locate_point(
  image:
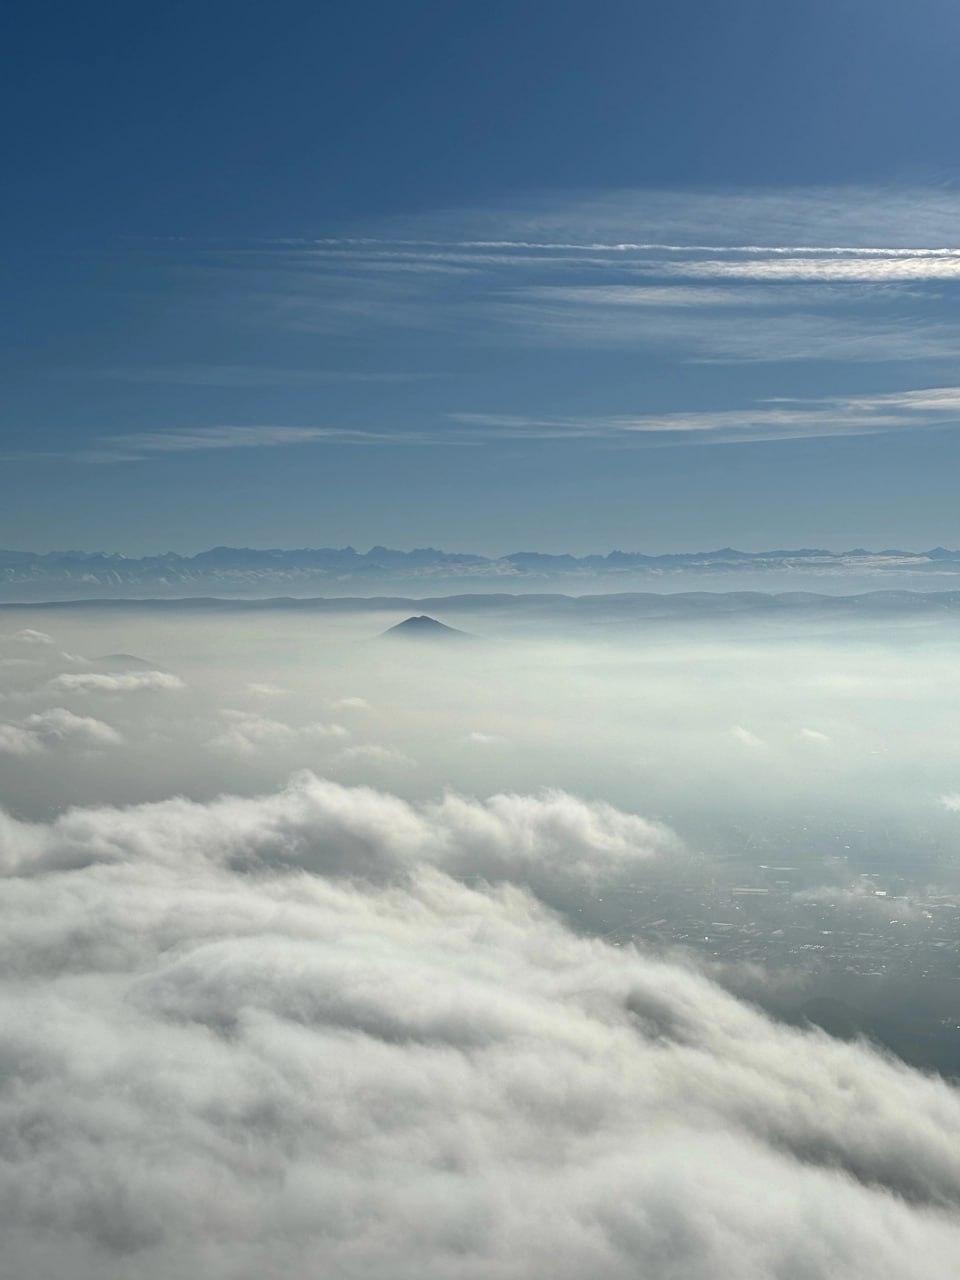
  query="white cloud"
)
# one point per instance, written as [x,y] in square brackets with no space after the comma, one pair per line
[478,739]
[351,1063]
[15,740]
[52,727]
[820,219]
[234,375]
[374,753]
[248,734]
[116,682]
[879,269]
[351,704]
[662,295]
[813,735]
[28,636]
[776,418]
[144,444]
[58,724]
[747,738]
[321,825]
[703,335]
[572,270]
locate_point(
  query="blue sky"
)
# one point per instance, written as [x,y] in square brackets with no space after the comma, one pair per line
[483,275]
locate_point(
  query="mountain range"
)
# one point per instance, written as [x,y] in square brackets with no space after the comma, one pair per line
[244,571]
[504,613]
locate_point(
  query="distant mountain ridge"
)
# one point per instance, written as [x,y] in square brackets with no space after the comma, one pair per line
[253,571]
[499,615]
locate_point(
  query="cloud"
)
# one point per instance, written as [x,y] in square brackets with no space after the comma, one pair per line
[828,269]
[746,738]
[351,703]
[58,724]
[880,269]
[116,682]
[660,295]
[951,801]
[248,734]
[813,735]
[374,753]
[841,219]
[776,418]
[332,1055]
[30,637]
[849,275]
[478,739]
[323,826]
[15,740]
[713,335]
[233,375]
[51,728]
[143,444]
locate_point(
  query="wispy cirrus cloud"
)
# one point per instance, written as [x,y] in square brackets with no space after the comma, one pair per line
[134,446]
[852,274]
[769,419]
[724,331]
[773,418]
[888,216]
[671,295]
[845,275]
[747,261]
[880,266]
[237,375]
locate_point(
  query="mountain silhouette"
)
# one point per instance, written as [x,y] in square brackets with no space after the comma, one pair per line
[423,627]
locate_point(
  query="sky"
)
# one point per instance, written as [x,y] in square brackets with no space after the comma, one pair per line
[560,276]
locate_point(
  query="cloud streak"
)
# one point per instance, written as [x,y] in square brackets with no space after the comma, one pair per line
[773,419]
[117,682]
[880,268]
[136,446]
[465,273]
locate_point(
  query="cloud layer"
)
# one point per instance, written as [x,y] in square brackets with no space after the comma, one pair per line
[116,682]
[294,1035]
[57,725]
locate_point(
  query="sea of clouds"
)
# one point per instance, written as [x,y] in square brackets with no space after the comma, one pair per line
[282,1036]
[323,1029]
